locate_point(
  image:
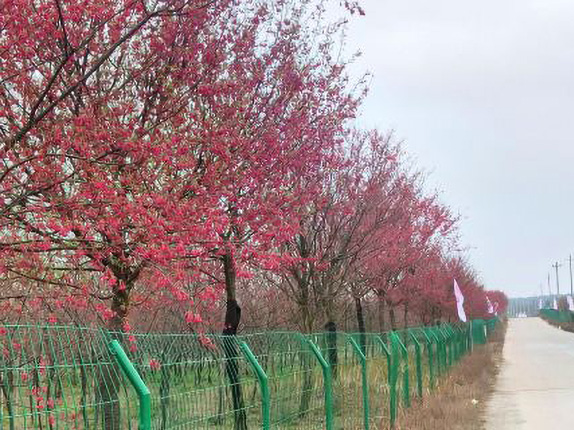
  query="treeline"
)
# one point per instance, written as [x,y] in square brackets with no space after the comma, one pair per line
[188,165]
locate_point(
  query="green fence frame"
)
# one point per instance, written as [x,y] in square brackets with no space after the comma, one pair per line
[563,316]
[389,369]
[137,382]
[328,385]
[263,385]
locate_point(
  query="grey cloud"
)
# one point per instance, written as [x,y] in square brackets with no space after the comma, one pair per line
[483,93]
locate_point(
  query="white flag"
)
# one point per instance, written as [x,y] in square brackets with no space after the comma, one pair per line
[495,309]
[490,308]
[459,302]
[570,303]
[539,303]
[554,304]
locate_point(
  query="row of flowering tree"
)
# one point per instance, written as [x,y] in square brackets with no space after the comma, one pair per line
[183,149]
[179,157]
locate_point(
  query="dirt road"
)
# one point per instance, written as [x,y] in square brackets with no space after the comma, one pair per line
[535,387]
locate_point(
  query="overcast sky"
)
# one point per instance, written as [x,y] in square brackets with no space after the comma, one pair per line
[483,94]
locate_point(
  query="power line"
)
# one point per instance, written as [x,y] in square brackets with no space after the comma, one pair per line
[571,285]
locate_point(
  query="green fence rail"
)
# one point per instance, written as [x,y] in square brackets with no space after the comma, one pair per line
[63,377]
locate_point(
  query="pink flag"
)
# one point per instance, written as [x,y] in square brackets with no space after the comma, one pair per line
[490,308]
[459,302]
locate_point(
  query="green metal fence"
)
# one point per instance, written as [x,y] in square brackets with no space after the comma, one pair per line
[63,377]
[557,316]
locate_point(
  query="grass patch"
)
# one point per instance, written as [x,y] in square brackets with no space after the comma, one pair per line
[458,402]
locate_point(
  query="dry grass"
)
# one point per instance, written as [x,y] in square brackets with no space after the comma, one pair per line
[566,326]
[459,401]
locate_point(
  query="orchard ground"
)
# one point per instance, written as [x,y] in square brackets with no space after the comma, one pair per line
[459,402]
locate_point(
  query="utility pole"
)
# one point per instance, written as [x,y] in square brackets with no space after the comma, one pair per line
[571,286]
[556,266]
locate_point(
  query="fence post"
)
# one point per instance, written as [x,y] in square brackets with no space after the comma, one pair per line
[137,382]
[327,383]
[406,372]
[429,348]
[452,344]
[463,342]
[438,340]
[443,348]
[459,344]
[470,336]
[263,385]
[390,365]
[448,346]
[387,355]
[479,329]
[363,359]
[418,364]
[395,361]
[450,333]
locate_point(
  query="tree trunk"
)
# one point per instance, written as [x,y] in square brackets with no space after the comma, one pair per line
[306,318]
[307,388]
[306,360]
[381,312]
[304,305]
[232,319]
[84,387]
[361,324]
[6,382]
[120,306]
[392,318]
[406,316]
[332,357]
[109,378]
[405,322]
[331,334]
[164,398]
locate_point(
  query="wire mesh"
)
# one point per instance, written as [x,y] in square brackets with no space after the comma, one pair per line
[63,377]
[295,380]
[378,359]
[196,381]
[343,353]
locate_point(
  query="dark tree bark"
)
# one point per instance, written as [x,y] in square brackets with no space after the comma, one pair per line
[164,389]
[332,357]
[361,324]
[307,389]
[381,313]
[7,385]
[405,323]
[84,386]
[232,320]
[307,327]
[109,384]
[393,318]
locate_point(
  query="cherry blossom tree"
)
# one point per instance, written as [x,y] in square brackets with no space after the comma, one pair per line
[151,150]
